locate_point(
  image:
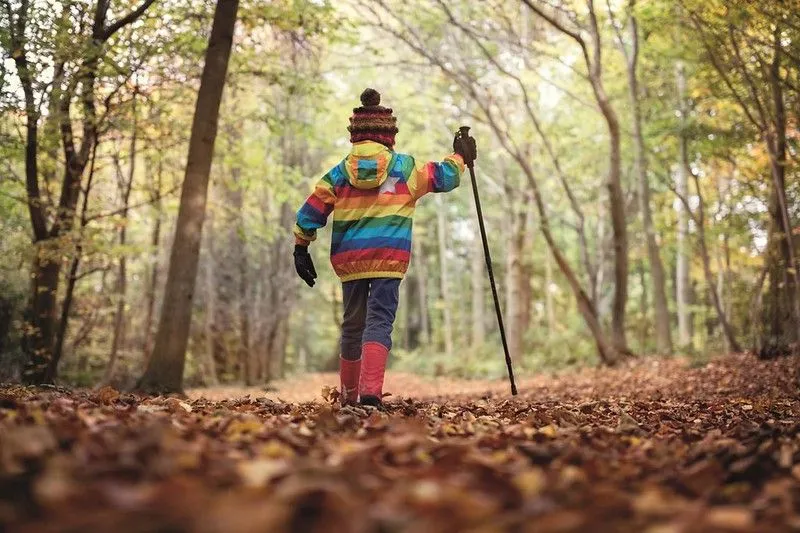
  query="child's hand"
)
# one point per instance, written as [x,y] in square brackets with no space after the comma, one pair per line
[304,265]
[464,145]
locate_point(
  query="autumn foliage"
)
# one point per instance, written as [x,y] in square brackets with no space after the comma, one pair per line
[657,446]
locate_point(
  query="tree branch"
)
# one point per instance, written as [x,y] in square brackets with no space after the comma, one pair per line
[131,17]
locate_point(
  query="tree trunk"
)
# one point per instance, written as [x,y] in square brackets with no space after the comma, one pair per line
[781,317]
[122,267]
[164,371]
[39,341]
[245,355]
[413,326]
[510,312]
[478,270]
[208,366]
[643,329]
[608,352]
[40,316]
[657,277]
[682,285]
[616,196]
[516,280]
[153,273]
[72,280]
[549,308]
[444,274]
[700,221]
[424,315]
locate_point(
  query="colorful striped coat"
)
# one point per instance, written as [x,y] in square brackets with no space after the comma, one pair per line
[372,194]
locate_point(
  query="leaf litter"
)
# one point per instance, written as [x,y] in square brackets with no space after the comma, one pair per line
[655,446]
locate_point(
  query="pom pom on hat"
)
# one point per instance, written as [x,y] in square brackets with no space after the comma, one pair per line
[370,97]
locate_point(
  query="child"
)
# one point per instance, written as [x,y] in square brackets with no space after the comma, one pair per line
[372,194]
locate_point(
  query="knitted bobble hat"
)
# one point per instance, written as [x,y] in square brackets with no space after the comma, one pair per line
[372,122]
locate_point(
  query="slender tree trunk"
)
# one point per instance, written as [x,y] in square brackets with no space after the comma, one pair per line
[643,329]
[727,328]
[478,271]
[122,267]
[608,352]
[208,366]
[510,312]
[72,280]
[526,272]
[549,306]
[682,285]
[245,355]
[424,315]
[164,371]
[616,195]
[723,257]
[515,280]
[153,273]
[657,277]
[413,328]
[700,221]
[444,273]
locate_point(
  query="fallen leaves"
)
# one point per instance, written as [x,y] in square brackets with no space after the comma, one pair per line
[653,447]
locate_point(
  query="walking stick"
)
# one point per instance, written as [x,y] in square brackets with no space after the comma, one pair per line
[468,148]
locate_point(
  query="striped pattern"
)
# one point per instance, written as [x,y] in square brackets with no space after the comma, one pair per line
[372,194]
[373,123]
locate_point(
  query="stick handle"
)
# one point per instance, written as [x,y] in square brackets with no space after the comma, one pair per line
[487,256]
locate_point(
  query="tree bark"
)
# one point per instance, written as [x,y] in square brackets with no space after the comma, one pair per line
[657,277]
[682,284]
[72,279]
[782,307]
[164,371]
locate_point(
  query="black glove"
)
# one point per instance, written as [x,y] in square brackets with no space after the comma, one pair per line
[464,145]
[304,265]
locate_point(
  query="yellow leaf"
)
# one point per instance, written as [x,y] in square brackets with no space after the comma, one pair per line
[276,449]
[549,431]
[531,482]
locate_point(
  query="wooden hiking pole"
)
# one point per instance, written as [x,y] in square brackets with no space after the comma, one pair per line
[470,152]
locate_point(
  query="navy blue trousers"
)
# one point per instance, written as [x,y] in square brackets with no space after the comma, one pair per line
[370,306]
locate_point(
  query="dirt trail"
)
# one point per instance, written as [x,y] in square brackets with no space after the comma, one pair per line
[307,388]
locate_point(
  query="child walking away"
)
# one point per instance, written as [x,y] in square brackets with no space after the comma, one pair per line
[372,194]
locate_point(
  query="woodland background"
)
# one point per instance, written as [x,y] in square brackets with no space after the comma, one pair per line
[637,164]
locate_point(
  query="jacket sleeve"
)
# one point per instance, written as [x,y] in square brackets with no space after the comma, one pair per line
[436,176]
[314,212]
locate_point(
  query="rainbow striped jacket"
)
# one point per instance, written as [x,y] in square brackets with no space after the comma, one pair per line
[372,194]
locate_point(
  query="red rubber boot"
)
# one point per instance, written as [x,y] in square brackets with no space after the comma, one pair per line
[349,374]
[373,367]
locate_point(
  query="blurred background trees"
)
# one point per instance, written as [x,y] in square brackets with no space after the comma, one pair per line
[639,161]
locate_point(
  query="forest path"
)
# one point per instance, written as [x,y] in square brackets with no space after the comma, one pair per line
[655,446]
[639,378]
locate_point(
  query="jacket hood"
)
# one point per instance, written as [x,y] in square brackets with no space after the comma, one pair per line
[368,165]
